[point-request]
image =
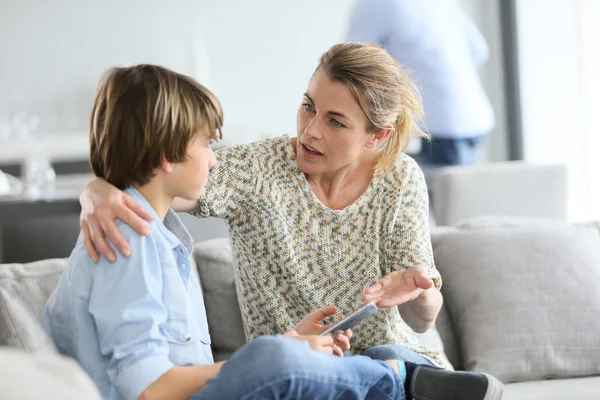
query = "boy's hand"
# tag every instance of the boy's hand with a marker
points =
(311, 325)
(325, 343)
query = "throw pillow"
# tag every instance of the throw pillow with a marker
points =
(32, 282)
(524, 299)
(43, 376)
(18, 326)
(217, 278)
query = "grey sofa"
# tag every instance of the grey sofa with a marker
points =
(521, 301)
(511, 188)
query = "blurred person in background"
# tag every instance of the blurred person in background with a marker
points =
(442, 48)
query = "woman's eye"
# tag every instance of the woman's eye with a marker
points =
(336, 123)
(307, 107)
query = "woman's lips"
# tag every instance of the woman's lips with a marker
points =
(311, 150)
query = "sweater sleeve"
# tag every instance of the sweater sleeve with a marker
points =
(409, 244)
(229, 183)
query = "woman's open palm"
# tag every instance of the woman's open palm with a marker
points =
(399, 287)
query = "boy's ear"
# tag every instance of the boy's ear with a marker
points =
(166, 166)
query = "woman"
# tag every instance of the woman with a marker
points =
(335, 216)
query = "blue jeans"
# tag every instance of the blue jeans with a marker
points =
(395, 352)
(449, 152)
(439, 153)
(278, 368)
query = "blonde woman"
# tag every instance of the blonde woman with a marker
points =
(337, 215)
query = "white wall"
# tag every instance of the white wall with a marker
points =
(53, 53)
(263, 55)
(552, 66)
(257, 56)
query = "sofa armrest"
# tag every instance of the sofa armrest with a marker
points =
(43, 376)
(511, 188)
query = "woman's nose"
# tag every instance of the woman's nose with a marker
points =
(312, 129)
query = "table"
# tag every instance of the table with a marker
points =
(46, 218)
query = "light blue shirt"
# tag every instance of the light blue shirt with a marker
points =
(129, 322)
(442, 48)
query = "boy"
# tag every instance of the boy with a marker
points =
(138, 326)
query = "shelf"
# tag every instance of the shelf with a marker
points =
(61, 147)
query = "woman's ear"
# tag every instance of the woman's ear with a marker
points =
(379, 138)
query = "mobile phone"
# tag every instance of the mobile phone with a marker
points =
(352, 319)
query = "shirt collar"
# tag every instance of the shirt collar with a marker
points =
(172, 228)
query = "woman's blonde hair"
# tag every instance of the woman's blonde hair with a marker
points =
(384, 91)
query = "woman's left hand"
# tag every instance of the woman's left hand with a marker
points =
(311, 325)
(399, 287)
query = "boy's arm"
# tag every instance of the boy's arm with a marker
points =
(127, 307)
(181, 382)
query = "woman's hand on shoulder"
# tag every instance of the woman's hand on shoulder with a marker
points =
(101, 205)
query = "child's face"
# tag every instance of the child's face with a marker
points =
(189, 177)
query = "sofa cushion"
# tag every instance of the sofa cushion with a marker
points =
(43, 376)
(19, 327)
(554, 389)
(443, 322)
(449, 342)
(523, 296)
(32, 282)
(217, 278)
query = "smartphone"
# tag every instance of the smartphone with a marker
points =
(352, 319)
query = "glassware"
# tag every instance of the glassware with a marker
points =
(38, 174)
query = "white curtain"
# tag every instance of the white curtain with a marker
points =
(559, 60)
(589, 15)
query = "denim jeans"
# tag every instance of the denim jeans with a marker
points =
(278, 368)
(395, 352)
(439, 153)
(449, 152)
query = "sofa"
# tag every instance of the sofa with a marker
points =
(521, 301)
(509, 188)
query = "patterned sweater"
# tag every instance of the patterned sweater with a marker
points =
(293, 254)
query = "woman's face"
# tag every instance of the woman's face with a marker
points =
(332, 130)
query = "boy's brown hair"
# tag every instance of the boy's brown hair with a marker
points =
(143, 115)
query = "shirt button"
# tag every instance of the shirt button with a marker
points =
(188, 338)
(183, 266)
